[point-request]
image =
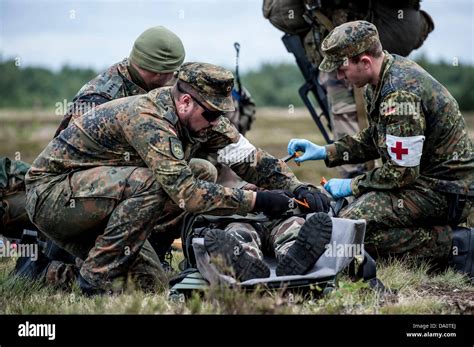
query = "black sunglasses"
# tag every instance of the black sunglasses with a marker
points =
(210, 116)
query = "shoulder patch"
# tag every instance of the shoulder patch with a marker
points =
(400, 103)
(176, 148)
(112, 87)
(224, 125)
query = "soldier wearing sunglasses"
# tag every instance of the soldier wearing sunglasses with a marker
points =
(127, 169)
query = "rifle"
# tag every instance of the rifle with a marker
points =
(237, 75)
(310, 73)
(244, 120)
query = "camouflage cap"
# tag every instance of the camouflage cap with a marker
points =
(213, 84)
(346, 41)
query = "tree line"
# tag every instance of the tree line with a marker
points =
(270, 84)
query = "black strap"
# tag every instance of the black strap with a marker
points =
(54, 252)
(456, 204)
(338, 206)
(367, 271)
(182, 275)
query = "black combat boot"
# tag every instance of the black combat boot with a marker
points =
(87, 288)
(462, 253)
(220, 243)
(310, 244)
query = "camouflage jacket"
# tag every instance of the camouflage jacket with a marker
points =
(145, 131)
(416, 128)
(112, 84)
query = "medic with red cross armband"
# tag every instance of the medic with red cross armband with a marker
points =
(414, 202)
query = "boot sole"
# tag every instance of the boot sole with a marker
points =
(220, 243)
(313, 236)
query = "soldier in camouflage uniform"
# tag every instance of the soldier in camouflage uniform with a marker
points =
(111, 173)
(416, 128)
(402, 25)
(156, 54)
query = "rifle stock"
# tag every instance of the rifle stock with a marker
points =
(294, 45)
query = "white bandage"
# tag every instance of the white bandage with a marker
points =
(239, 152)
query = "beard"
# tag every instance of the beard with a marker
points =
(201, 134)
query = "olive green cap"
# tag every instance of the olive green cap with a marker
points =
(159, 50)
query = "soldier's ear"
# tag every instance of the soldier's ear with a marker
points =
(366, 61)
(185, 101)
(183, 104)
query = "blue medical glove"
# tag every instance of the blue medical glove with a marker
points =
(339, 187)
(311, 151)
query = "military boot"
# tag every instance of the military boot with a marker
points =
(220, 243)
(462, 254)
(310, 244)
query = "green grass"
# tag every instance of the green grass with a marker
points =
(415, 292)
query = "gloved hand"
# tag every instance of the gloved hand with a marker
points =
(311, 151)
(273, 203)
(339, 187)
(318, 202)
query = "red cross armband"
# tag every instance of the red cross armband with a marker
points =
(405, 151)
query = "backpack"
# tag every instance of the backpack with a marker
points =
(286, 15)
(13, 216)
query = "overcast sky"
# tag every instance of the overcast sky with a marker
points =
(97, 33)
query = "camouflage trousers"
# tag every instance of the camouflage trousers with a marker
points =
(272, 239)
(168, 225)
(104, 216)
(408, 221)
(343, 113)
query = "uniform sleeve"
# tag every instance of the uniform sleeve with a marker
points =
(400, 136)
(249, 162)
(355, 149)
(157, 143)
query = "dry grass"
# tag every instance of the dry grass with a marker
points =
(416, 293)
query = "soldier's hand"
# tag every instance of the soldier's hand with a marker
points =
(317, 201)
(310, 150)
(339, 187)
(273, 203)
(250, 186)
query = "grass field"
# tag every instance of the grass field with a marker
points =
(24, 134)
